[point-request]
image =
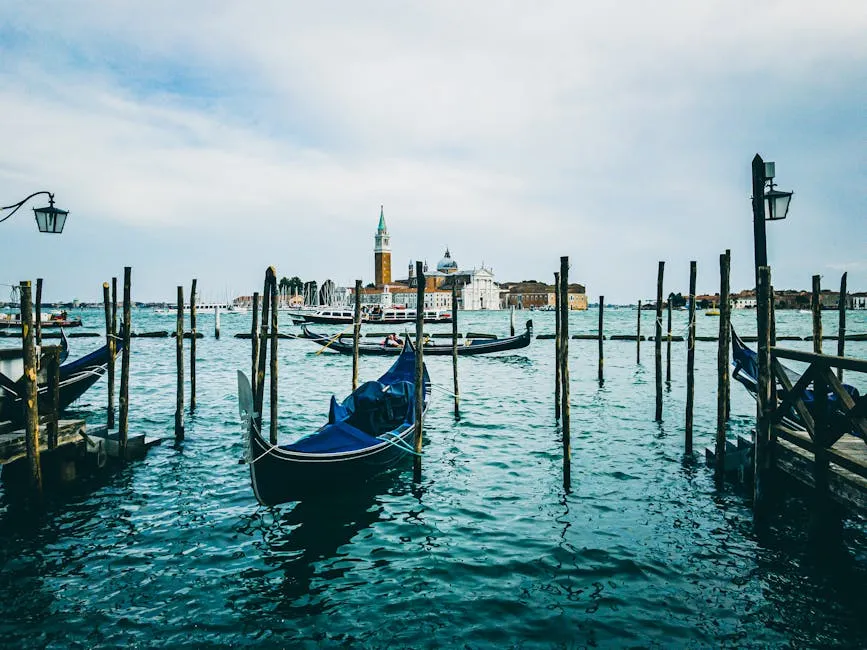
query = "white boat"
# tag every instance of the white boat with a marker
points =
(204, 308)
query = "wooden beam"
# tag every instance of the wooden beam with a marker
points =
(847, 363)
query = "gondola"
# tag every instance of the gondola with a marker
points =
(367, 433)
(343, 343)
(75, 378)
(746, 371)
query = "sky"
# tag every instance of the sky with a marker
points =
(211, 139)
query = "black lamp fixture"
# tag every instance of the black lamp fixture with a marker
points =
(776, 202)
(49, 219)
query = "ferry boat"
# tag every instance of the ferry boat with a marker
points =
(390, 315)
(204, 308)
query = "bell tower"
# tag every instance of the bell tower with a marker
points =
(382, 253)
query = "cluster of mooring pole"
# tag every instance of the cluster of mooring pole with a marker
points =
(419, 369)
(561, 348)
(260, 335)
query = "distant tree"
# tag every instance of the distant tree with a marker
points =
(283, 288)
(296, 286)
(676, 300)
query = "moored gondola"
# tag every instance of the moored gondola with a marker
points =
(367, 433)
(342, 343)
(75, 378)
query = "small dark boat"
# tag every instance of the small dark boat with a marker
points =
(75, 378)
(746, 371)
(367, 433)
(343, 343)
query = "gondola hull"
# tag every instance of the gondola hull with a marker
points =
(352, 447)
(76, 377)
(343, 345)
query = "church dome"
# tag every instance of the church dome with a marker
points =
(447, 264)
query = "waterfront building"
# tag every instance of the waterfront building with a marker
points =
(531, 294)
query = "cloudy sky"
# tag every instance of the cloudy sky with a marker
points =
(210, 139)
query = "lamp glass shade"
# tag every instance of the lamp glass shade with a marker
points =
(777, 205)
(50, 219)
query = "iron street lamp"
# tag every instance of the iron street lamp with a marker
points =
(772, 205)
(48, 219)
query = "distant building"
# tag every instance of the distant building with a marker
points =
(531, 294)
(382, 253)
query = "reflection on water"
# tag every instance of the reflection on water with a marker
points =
(488, 551)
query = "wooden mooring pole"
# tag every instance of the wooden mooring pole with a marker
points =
(557, 360)
(111, 343)
(722, 366)
(193, 346)
(601, 337)
(112, 357)
(254, 338)
(356, 333)
(419, 369)
(638, 335)
(657, 342)
(273, 398)
(564, 366)
(259, 395)
(38, 307)
(53, 395)
(512, 321)
(816, 306)
(761, 450)
(179, 358)
(123, 428)
(217, 322)
(455, 348)
(31, 406)
(841, 328)
(668, 347)
(728, 384)
(690, 363)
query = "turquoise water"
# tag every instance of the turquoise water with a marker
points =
(488, 550)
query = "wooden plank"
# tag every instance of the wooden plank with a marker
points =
(846, 363)
(13, 444)
(849, 452)
(793, 395)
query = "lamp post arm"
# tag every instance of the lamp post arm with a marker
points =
(17, 206)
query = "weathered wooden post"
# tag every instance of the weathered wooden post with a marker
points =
(816, 306)
(273, 399)
(668, 347)
(722, 366)
(179, 358)
(690, 362)
(111, 343)
(638, 336)
(356, 333)
(657, 341)
(455, 346)
(729, 337)
(564, 365)
(601, 337)
(419, 369)
(263, 351)
(217, 322)
(557, 360)
(841, 328)
(123, 428)
(53, 394)
(112, 357)
(254, 338)
(761, 450)
(512, 321)
(31, 406)
(38, 307)
(193, 346)
(822, 507)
